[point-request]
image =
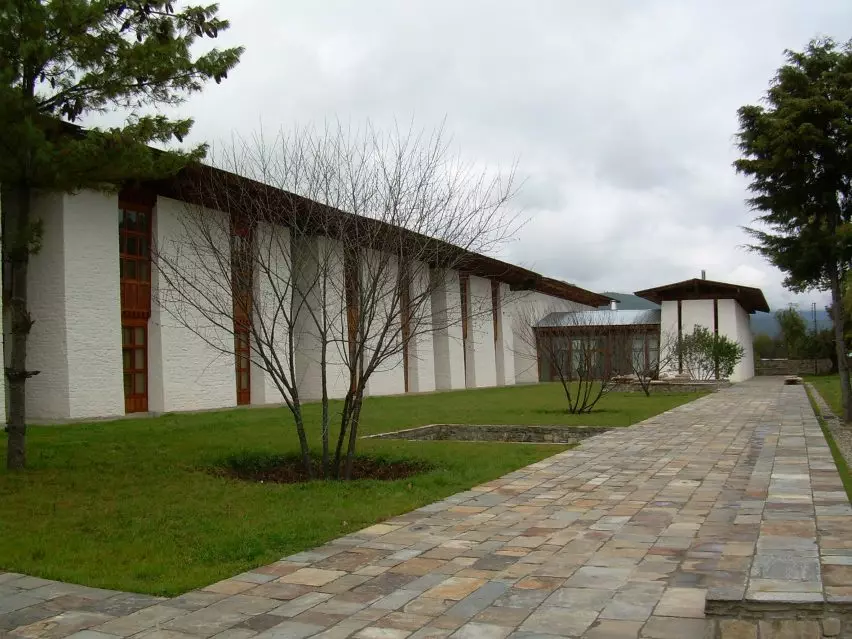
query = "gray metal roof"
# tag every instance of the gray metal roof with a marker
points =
(599, 318)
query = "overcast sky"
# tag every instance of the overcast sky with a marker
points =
(621, 114)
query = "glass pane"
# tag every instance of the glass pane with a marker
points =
(244, 380)
(139, 359)
(125, 357)
(243, 362)
(139, 336)
(126, 335)
(130, 269)
(120, 218)
(139, 383)
(142, 221)
(129, 220)
(127, 389)
(143, 274)
(133, 245)
(143, 246)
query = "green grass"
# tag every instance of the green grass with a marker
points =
(129, 504)
(828, 388)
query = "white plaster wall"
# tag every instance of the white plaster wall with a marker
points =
(668, 335)
(186, 371)
(447, 334)
(271, 310)
(527, 306)
(505, 339)
(481, 362)
(47, 347)
(421, 353)
(383, 270)
(696, 313)
(741, 331)
(93, 305)
(318, 273)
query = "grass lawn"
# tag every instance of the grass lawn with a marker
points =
(129, 504)
(829, 387)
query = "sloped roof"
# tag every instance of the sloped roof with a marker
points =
(579, 319)
(186, 186)
(750, 298)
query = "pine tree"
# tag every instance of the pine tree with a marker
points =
(797, 152)
(62, 61)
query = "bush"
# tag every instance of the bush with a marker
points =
(703, 353)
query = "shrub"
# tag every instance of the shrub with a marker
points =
(703, 353)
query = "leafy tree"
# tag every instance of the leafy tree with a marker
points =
(794, 332)
(62, 61)
(797, 152)
(765, 346)
(707, 355)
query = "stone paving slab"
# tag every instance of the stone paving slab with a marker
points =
(728, 505)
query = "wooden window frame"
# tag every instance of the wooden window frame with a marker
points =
(135, 297)
(242, 291)
(464, 295)
(405, 321)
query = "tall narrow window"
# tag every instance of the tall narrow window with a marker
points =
(352, 292)
(134, 241)
(464, 292)
(495, 308)
(405, 320)
(242, 248)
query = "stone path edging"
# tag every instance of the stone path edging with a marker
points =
(731, 499)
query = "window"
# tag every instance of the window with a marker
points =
(405, 320)
(242, 261)
(134, 353)
(134, 238)
(495, 308)
(134, 250)
(464, 292)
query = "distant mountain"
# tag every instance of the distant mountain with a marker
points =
(765, 323)
(629, 302)
(760, 322)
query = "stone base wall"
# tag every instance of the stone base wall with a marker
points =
(495, 433)
(667, 386)
(792, 367)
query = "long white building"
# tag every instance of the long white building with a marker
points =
(105, 346)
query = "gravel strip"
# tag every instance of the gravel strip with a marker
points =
(841, 432)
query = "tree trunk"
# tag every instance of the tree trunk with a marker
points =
(303, 442)
(341, 435)
(353, 432)
(16, 211)
(840, 345)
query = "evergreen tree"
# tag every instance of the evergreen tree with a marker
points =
(797, 152)
(61, 61)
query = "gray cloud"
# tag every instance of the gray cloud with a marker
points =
(621, 114)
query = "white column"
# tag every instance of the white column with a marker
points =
(185, 370)
(318, 275)
(447, 336)
(74, 298)
(271, 308)
(93, 312)
(421, 353)
(481, 360)
(383, 270)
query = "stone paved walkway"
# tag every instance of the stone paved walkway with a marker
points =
(729, 505)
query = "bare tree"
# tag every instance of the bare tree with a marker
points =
(571, 348)
(646, 353)
(333, 284)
